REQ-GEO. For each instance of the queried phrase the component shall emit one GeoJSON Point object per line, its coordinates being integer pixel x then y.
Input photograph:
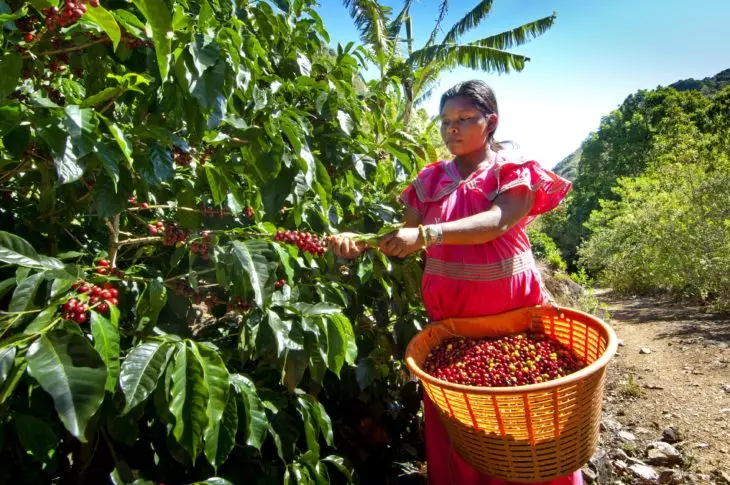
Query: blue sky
{"type": "Point", "coordinates": [597, 53]}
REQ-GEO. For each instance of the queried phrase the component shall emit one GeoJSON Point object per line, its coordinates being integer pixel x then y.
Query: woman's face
{"type": "Point", "coordinates": [464, 128]}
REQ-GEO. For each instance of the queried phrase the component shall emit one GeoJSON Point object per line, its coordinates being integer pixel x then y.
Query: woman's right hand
{"type": "Point", "coordinates": [345, 247]}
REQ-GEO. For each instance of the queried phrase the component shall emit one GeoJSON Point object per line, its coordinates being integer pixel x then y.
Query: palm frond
{"type": "Point", "coordinates": [396, 26]}
{"type": "Point", "coordinates": [425, 80]}
{"type": "Point", "coordinates": [487, 59]}
{"type": "Point", "coordinates": [442, 14]}
{"type": "Point", "coordinates": [469, 21]}
{"type": "Point", "coordinates": [519, 35]}
{"type": "Point", "coordinates": [370, 19]}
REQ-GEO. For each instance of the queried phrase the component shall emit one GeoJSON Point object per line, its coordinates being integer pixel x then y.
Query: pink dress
{"type": "Point", "coordinates": [480, 279]}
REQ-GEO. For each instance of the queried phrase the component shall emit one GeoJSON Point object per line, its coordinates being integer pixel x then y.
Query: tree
{"type": "Point", "coordinates": [418, 70]}
{"type": "Point", "coordinates": [168, 308]}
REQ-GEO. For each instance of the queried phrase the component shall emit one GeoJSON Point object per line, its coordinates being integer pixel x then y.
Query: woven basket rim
{"type": "Point", "coordinates": [590, 369]}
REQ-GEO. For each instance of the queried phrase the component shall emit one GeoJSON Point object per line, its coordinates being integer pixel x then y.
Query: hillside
{"type": "Point", "coordinates": [707, 86]}
{"type": "Point", "coordinates": [568, 167]}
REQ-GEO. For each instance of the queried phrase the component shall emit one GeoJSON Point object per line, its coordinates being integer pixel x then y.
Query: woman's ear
{"type": "Point", "coordinates": [492, 122]}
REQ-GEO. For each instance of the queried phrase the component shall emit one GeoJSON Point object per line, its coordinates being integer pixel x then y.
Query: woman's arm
{"type": "Point", "coordinates": [508, 209]}
{"type": "Point", "coordinates": [344, 246]}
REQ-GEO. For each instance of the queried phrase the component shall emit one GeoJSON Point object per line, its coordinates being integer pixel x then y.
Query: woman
{"type": "Point", "coordinates": [471, 214]}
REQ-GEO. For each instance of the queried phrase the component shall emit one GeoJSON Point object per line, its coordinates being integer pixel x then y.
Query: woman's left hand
{"type": "Point", "coordinates": [402, 242]}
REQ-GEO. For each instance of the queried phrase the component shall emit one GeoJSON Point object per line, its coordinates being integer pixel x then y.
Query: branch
{"type": "Point", "coordinates": [139, 240]}
{"type": "Point", "coordinates": [113, 226]}
{"type": "Point", "coordinates": [70, 49]}
{"type": "Point", "coordinates": [163, 206]}
{"type": "Point", "coordinates": [183, 276]}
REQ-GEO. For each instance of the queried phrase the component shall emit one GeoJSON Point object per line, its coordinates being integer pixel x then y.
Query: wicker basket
{"type": "Point", "coordinates": [527, 433]}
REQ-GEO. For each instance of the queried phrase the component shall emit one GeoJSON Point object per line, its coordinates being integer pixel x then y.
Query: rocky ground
{"type": "Point", "coordinates": [667, 400]}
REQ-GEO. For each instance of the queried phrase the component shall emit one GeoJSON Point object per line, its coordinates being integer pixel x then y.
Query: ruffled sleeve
{"type": "Point", "coordinates": [430, 184]}
{"type": "Point", "coordinates": [549, 188]}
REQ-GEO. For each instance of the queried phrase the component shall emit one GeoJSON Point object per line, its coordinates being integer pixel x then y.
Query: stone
{"type": "Point", "coordinates": [589, 476]}
{"type": "Point", "coordinates": [671, 435]}
{"type": "Point", "coordinates": [671, 477]}
{"type": "Point", "coordinates": [619, 454]}
{"type": "Point", "coordinates": [721, 477]}
{"type": "Point", "coordinates": [600, 463]}
{"type": "Point", "coordinates": [644, 472]}
{"type": "Point", "coordinates": [626, 436]}
{"type": "Point", "coordinates": [645, 350]}
{"type": "Point", "coordinates": [610, 424]}
{"type": "Point", "coordinates": [664, 454]}
{"type": "Point", "coordinates": [726, 388]}
{"type": "Point", "coordinates": [702, 446]}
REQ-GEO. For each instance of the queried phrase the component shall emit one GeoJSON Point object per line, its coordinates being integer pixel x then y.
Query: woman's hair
{"type": "Point", "coordinates": [483, 98]}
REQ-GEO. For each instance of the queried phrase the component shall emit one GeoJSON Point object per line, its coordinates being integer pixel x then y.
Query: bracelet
{"type": "Point", "coordinates": [422, 230]}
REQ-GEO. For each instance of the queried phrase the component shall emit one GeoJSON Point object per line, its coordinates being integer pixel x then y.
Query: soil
{"type": "Point", "coordinates": [683, 381]}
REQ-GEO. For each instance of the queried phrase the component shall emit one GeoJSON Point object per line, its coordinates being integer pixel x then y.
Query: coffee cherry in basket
{"type": "Point", "coordinates": [515, 360]}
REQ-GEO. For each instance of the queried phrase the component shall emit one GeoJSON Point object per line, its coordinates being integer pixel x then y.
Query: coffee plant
{"type": "Point", "coordinates": [170, 171]}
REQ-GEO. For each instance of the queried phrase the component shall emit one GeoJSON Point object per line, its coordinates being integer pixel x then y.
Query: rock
{"type": "Point", "coordinates": [726, 388]}
{"type": "Point", "coordinates": [645, 350]}
{"type": "Point", "coordinates": [642, 430]}
{"type": "Point", "coordinates": [610, 424]}
{"type": "Point", "coordinates": [600, 464]}
{"type": "Point", "coordinates": [653, 387]}
{"type": "Point", "coordinates": [644, 472]}
{"type": "Point", "coordinates": [619, 454]}
{"type": "Point", "coordinates": [626, 436]}
{"type": "Point", "coordinates": [702, 446]}
{"type": "Point", "coordinates": [661, 453]}
{"type": "Point", "coordinates": [620, 465]}
{"type": "Point", "coordinates": [721, 477]}
{"type": "Point", "coordinates": [635, 461]}
{"type": "Point", "coordinates": [671, 477]}
{"type": "Point", "coordinates": [621, 343]}
{"type": "Point", "coordinates": [671, 435]}
{"type": "Point", "coordinates": [589, 476]}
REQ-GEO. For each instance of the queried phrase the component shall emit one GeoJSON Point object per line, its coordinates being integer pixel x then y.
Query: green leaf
{"type": "Point", "coordinates": [150, 303]}
{"type": "Point", "coordinates": [215, 182]}
{"type": "Point", "coordinates": [189, 400]}
{"type": "Point", "coordinates": [317, 309]}
{"type": "Point", "coordinates": [121, 139]}
{"type": "Point", "coordinates": [68, 368]}
{"type": "Point", "coordinates": [36, 436]}
{"type": "Point", "coordinates": [16, 250]}
{"type": "Point", "coordinates": [339, 463]}
{"type": "Point", "coordinates": [101, 17]}
{"type": "Point", "coordinates": [282, 330]}
{"type": "Point", "coordinates": [346, 123]}
{"type": "Point", "coordinates": [311, 429]}
{"type": "Point", "coordinates": [345, 327]}
{"type": "Point", "coordinates": [41, 321]}
{"type": "Point", "coordinates": [106, 342]}
{"type": "Point", "coordinates": [215, 377]}
{"type": "Point", "coordinates": [214, 481]}
{"type": "Point", "coordinates": [284, 258]}
{"type": "Point", "coordinates": [295, 363]}
{"type": "Point", "coordinates": [221, 437]}
{"type": "Point", "coordinates": [7, 356]}
{"type": "Point", "coordinates": [10, 66]}
{"type": "Point", "coordinates": [159, 18]}
{"type": "Point", "coordinates": [9, 119]}
{"type": "Point", "coordinates": [323, 420]}
{"type": "Point", "coordinates": [253, 258]}
{"type": "Point", "coordinates": [315, 343]}
{"type": "Point", "coordinates": [141, 370]}
{"type": "Point", "coordinates": [25, 292]}
{"type": "Point", "coordinates": [336, 345]}
{"type": "Point", "coordinates": [102, 96]}
{"type": "Point", "coordinates": [256, 422]}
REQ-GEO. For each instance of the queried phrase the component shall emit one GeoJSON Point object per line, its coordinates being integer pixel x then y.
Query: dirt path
{"type": "Point", "coordinates": [684, 381]}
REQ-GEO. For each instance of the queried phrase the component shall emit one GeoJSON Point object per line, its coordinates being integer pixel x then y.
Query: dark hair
{"type": "Point", "coordinates": [483, 98]}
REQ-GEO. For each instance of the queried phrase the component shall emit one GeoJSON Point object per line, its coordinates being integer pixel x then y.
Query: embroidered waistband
{"type": "Point", "coordinates": [484, 271]}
